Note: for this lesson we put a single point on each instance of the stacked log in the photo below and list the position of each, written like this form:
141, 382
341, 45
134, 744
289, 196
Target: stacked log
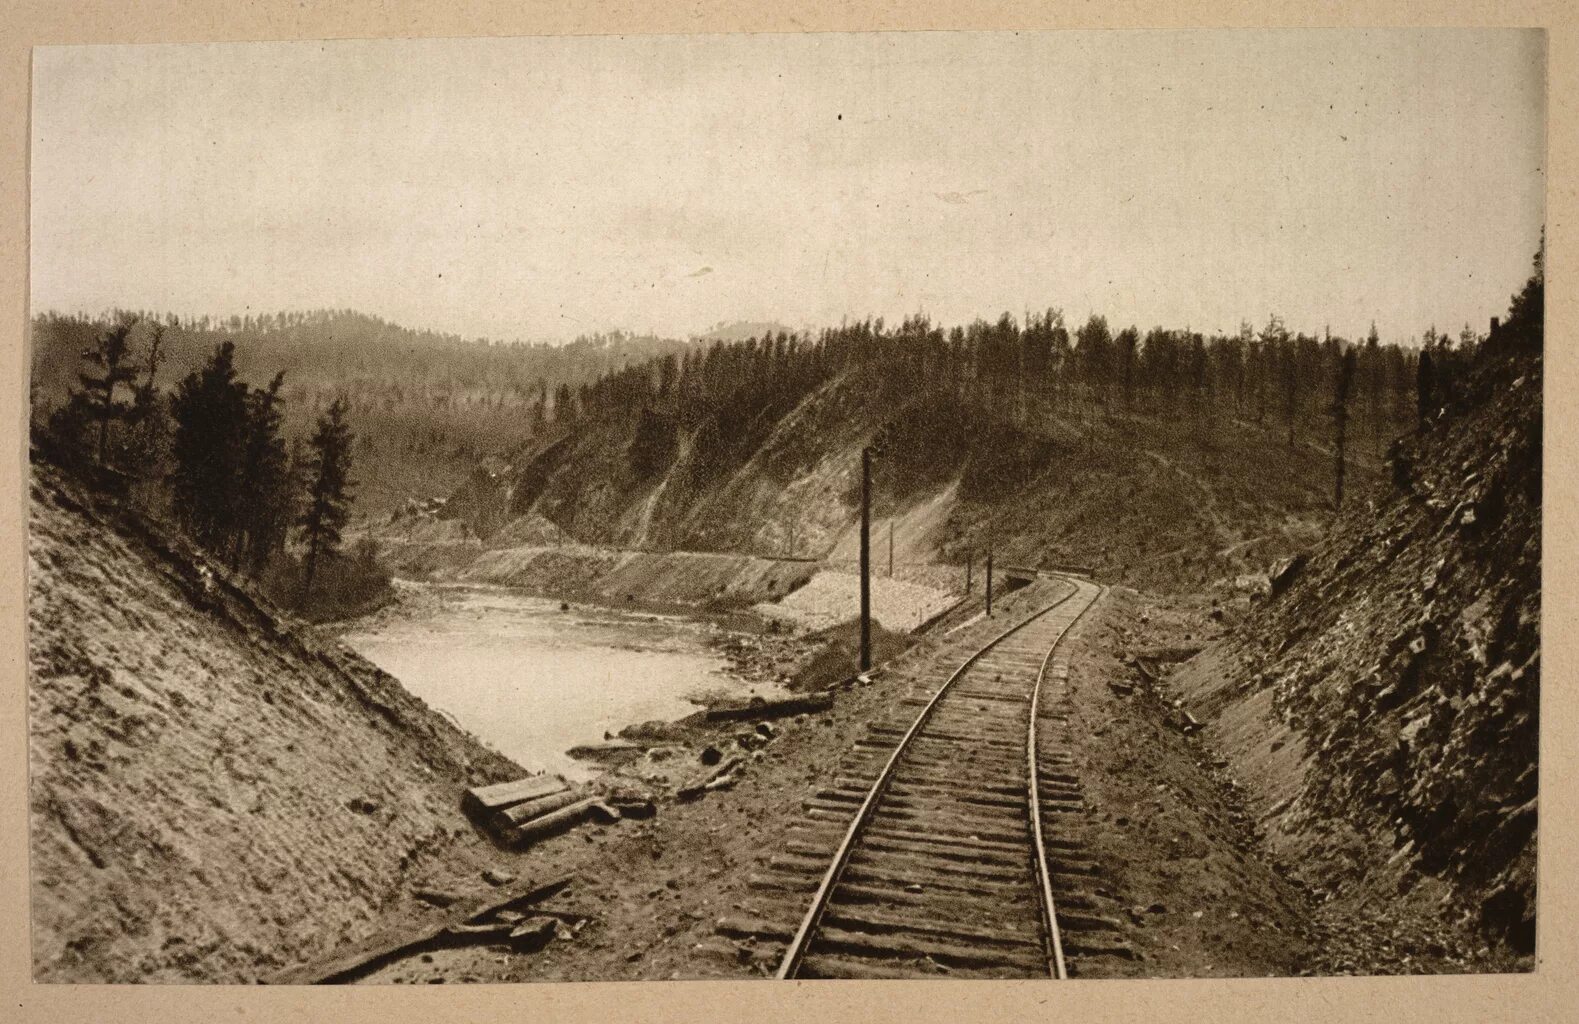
532, 808
556, 821
481, 801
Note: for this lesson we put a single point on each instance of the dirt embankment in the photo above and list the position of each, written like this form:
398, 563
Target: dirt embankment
803, 595
215, 793
1385, 707
679, 578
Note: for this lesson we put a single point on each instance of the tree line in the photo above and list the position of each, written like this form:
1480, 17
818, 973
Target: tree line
211, 455
428, 406
1344, 396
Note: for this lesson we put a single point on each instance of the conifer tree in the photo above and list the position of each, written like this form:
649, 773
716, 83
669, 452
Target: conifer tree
1375, 384
328, 490
210, 413
266, 518
1340, 419
111, 357
148, 421
1425, 386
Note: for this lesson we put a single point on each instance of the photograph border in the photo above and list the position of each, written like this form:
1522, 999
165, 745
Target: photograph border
1549, 993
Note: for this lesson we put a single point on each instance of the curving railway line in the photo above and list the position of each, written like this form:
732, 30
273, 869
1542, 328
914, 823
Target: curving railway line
951, 845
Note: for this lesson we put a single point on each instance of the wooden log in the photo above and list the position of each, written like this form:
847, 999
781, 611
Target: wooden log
534, 932
387, 946
483, 799
490, 930
608, 750
522, 813
820, 701
709, 779
550, 823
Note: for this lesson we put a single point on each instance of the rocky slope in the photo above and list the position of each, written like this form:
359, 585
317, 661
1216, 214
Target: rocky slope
1385, 707
214, 793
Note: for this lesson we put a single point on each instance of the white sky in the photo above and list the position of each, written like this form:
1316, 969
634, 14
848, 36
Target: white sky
539, 188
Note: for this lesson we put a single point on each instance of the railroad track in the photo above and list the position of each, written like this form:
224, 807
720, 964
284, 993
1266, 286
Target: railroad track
950, 845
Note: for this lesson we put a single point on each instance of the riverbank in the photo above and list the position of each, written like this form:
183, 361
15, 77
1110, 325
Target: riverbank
534, 678
646, 895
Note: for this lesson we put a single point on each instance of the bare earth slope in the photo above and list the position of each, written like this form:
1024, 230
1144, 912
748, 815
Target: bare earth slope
214, 796
1386, 706
1158, 504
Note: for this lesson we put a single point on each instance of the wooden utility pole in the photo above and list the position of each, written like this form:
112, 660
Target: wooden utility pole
970, 562
890, 549
989, 579
866, 559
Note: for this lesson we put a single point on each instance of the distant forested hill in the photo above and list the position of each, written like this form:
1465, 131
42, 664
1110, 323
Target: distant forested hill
1162, 457
426, 406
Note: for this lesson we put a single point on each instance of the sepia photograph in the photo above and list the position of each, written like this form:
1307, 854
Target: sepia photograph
851, 505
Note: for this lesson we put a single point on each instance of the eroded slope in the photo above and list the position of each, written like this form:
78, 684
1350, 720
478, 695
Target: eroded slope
213, 795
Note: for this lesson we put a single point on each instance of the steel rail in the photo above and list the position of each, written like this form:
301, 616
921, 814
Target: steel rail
1054, 946
808, 926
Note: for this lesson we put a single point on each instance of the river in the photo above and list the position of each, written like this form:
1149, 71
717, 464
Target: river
532, 680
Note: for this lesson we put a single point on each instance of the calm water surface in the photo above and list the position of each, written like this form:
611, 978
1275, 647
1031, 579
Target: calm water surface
531, 680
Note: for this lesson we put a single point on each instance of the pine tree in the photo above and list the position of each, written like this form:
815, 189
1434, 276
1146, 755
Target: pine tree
1425, 386
210, 413
1128, 341
1094, 350
1340, 419
266, 518
1375, 385
148, 426
328, 490
111, 355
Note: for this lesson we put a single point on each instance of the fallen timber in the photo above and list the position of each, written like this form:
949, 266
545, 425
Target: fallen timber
464, 925
811, 702
720, 777
556, 821
484, 799
528, 809
520, 814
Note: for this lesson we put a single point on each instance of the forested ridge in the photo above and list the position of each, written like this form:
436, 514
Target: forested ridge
426, 405
1013, 373
626, 439
1169, 453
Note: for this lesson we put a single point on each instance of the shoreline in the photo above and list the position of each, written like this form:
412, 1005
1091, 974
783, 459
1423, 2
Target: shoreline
764, 658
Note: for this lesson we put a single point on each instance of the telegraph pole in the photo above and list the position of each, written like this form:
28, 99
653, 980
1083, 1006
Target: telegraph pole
970, 562
890, 549
866, 559
989, 579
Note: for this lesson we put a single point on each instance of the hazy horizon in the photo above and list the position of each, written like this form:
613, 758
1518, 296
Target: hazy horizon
536, 189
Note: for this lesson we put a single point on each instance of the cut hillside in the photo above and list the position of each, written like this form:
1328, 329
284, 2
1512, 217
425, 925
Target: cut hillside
215, 794
1143, 500
1384, 706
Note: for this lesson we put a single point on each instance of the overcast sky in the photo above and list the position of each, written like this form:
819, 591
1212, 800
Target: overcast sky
540, 188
